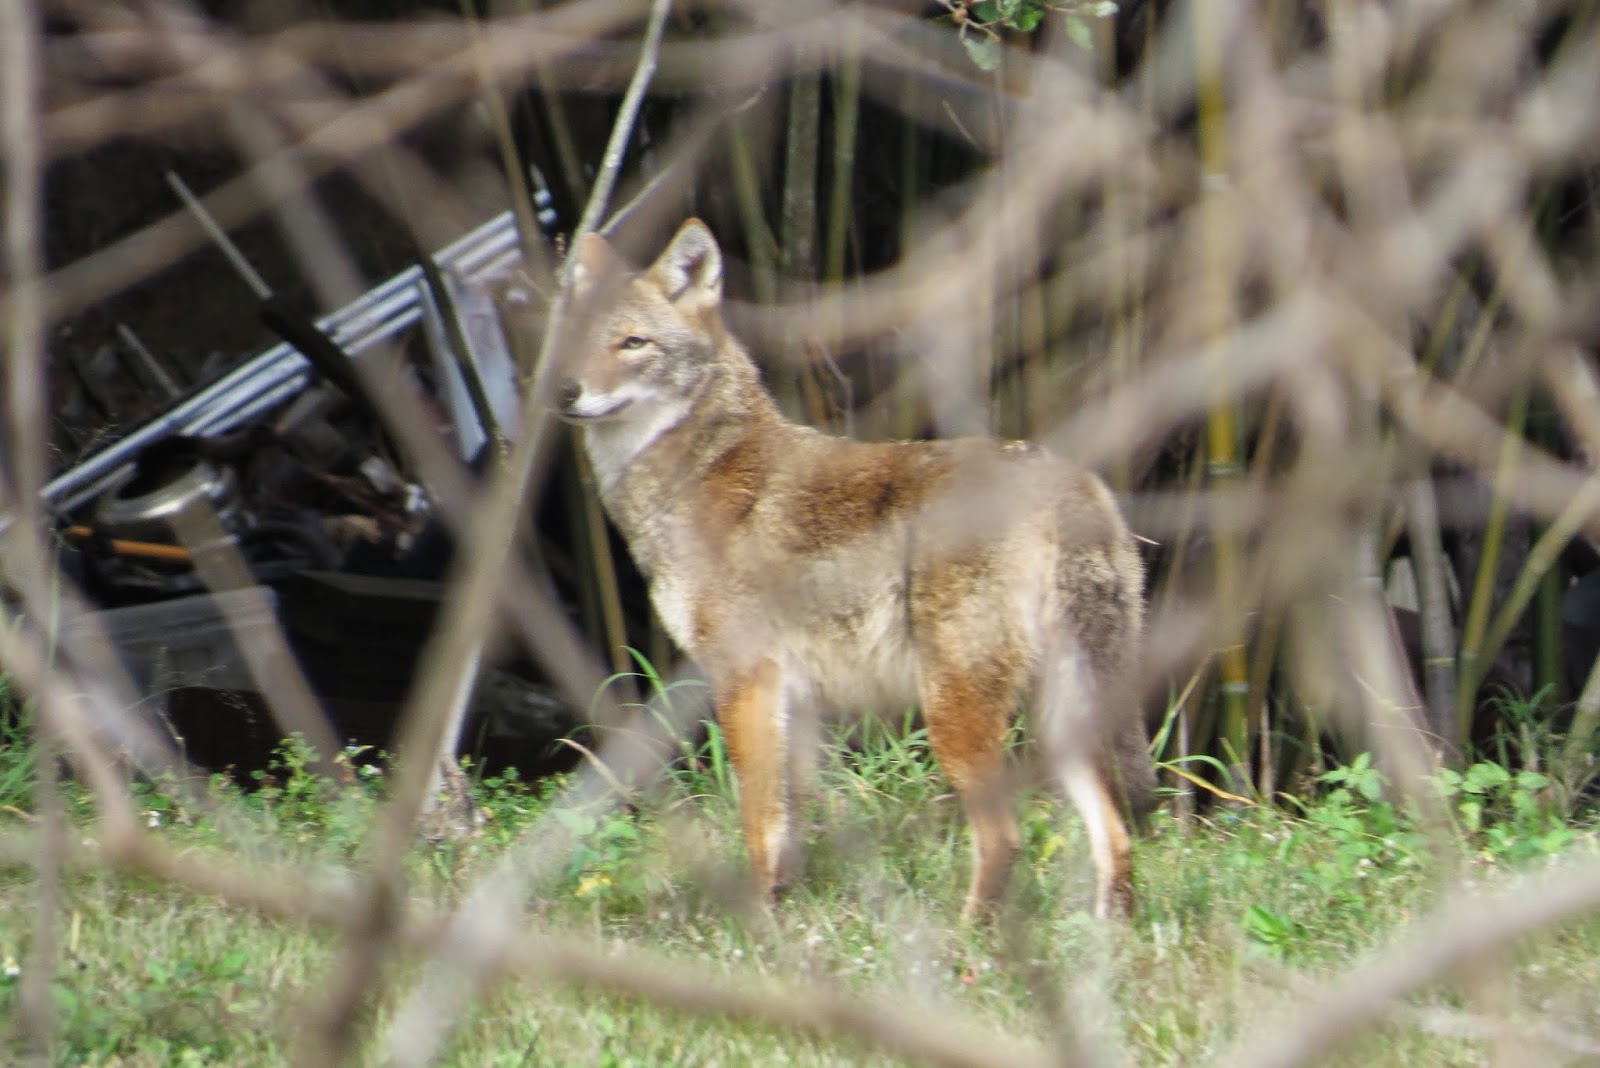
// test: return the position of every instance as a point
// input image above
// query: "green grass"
(1236, 916)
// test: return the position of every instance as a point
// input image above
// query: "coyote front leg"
(751, 712)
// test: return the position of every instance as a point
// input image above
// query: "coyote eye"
(632, 342)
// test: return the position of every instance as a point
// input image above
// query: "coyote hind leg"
(967, 722)
(1070, 721)
(1093, 793)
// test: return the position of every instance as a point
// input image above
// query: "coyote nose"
(567, 394)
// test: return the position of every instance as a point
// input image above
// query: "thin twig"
(451, 664)
(622, 129)
(26, 403)
(36, 1010)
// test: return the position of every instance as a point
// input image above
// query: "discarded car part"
(219, 236)
(312, 490)
(274, 376)
(478, 311)
(299, 532)
(128, 553)
(95, 373)
(123, 580)
(378, 472)
(223, 730)
(165, 647)
(448, 339)
(183, 642)
(512, 722)
(318, 443)
(146, 366)
(142, 510)
(324, 354)
(139, 550)
(358, 636)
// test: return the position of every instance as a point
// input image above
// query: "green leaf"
(574, 823)
(1483, 777)
(1078, 30)
(985, 51)
(1370, 785)
(67, 1000)
(1027, 20)
(1532, 780)
(1556, 839)
(1269, 930)
(986, 11)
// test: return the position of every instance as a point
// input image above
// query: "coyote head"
(649, 340)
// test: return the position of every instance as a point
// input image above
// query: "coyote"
(808, 574)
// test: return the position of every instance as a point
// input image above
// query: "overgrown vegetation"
(1238, 908)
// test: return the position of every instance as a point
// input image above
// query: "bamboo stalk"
(575, 506)
(1266, 780)
(1439, 669)
(907, 412)
(555, 118)
(1184, 808)
(605, 572)
(1222, 461)
(846, 120)
(1475, 651)
(1576, 765)
(1268, 631)
(1205, 733)
(1549, 677)
(1311, 649)
(1259, 701)
(1540, 560)
(760, 245)
(533, 247)
(1128, 319)
(798, 226)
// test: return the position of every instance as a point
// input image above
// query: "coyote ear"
(690, 270)
(594, 259)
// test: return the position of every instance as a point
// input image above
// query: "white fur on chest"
(670, 596)
(615, 444)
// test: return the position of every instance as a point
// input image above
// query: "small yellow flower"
(591, 884)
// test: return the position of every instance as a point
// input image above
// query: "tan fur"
(808, 574)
